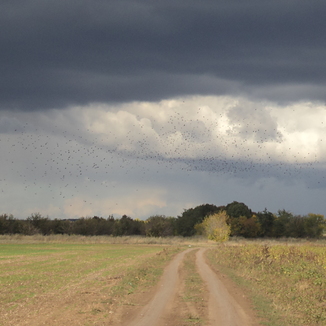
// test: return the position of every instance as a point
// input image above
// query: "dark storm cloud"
(59, 53)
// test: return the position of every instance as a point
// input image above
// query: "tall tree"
(192, 216)
(236, 209)
(266, 220)
(160, 226)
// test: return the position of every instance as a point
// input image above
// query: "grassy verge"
(85, 280)
(143, 273)
(287, 282)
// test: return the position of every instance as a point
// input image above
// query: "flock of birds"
(67, 163)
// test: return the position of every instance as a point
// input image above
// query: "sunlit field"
(75, 280)
(286, 280)
(83, 280)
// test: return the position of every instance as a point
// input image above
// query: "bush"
(214, 227)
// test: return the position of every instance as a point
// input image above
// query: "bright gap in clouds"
(146, 158)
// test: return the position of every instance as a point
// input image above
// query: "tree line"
(239, 218)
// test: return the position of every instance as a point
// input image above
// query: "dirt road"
(226, 307)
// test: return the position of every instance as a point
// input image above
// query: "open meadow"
(74, 281)
(62, 280)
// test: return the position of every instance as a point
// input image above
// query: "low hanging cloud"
(133, 158)
(224, 127)
(192, 128)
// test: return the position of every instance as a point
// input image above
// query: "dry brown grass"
(17, 238)
(287, 279)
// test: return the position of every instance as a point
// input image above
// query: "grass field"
(62, 280)
(287, 281)
(82, 279)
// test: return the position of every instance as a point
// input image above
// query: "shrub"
(215, 227)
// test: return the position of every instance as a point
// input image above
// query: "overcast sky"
(152, 107)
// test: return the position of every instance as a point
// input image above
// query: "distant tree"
(9, 225)
(40, 223)
(105, 226)
(61, 226)
(127, 226)
(249, 227)
(88, 226)
(85, 226)
(281, 224)
(214, 227)
(27, 228)
(100, 225)
(296, 226)
(192, 216)
(245, 227)
(314, 225)
(266, 220)
(160, 226)
(235, 226)
(236, 209)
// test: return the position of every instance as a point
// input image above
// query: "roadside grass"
(143, 273)
(36, 270)
(285, 280)
(194, 292)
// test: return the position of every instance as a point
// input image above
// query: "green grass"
(143, 273)
(91, 276)
(29, 270)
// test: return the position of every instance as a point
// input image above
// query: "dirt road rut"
(223, 308)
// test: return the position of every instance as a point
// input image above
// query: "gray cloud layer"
(139, 107)
(60, 53)
(146, 158)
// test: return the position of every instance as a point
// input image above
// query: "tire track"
(153, 311)
(223, 309)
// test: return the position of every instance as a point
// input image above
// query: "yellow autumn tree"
(215, 227)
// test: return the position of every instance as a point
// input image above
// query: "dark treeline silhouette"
(156, 226)
(243, 222)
